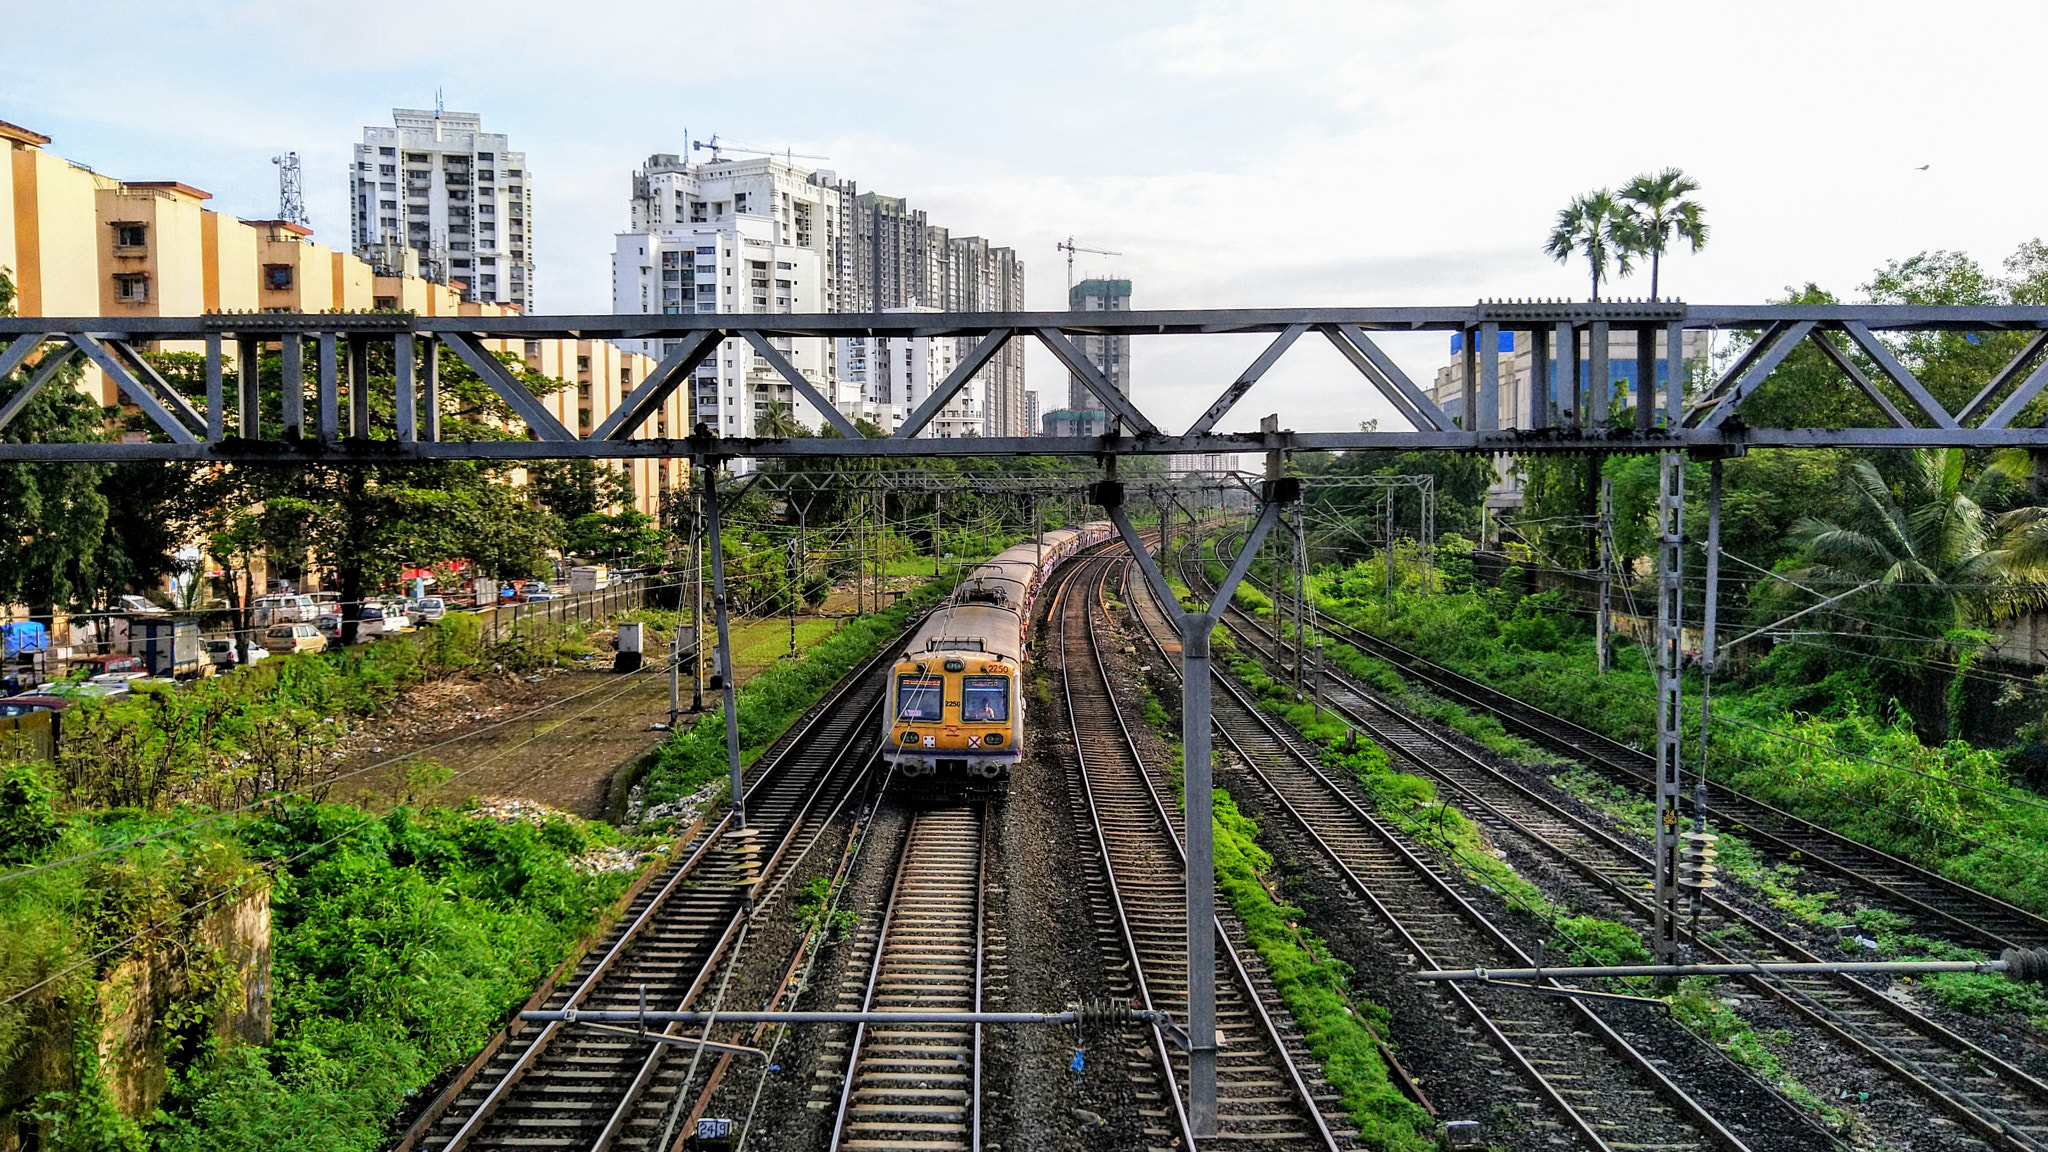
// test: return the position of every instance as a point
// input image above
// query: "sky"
(1283, 153)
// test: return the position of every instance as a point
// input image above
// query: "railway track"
(919, 1085)
(558, 1087)
(1263, 1096)
(1999, 1103)
(1939, 907)
(1563, 1068)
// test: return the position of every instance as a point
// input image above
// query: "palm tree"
(1658, 209)
(1596, 225)
(1928, 565)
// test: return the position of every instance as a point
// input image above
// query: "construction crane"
(291, 194)
(718, 146)
(1069, 247)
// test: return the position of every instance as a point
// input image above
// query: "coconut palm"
(1658, 211)
(1596, 226)
(1935, 559)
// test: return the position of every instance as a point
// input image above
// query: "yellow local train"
(956, 696)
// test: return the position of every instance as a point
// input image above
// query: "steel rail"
(2015, 927)
(1709, 1125)
(651, 1064)
(1056, 617)
(919, 905)
(1941, 1089)
(1282, 1056)
(768, 780)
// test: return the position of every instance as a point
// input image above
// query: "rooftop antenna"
(1069, 247)
(291, 193)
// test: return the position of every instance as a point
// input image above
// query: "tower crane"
(717, 146)
(1069, 247)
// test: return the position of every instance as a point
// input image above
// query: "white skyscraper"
(743, 235)
(437, 183)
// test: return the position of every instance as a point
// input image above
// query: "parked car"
(329, 624)
(284, 608)
(432, 608)
(376, 621)
(538, 595)
(113, 662)
(222, 652)
(35, 702)
(285, 639)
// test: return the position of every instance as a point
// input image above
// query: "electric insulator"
(1696, 861)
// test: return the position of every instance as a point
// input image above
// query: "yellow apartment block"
(77, 243)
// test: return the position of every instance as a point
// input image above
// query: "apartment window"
(697, 211)
(583, 365)
(387, 151)
(486, 174)
(784, 265)
(513, 172)
(132, 288)
(713, 251)
(387, 169)
(739, 202)
(415, 157)
(277, 277)
(487, 209)
(128, 234)
(392, 205)
(462, 263)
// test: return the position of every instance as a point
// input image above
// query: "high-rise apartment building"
(1111, 354)
(896, 258)
(1030, 413)
(740, 235)
(762, 235)
(438, 184)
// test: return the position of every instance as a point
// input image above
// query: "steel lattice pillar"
(1670, 724)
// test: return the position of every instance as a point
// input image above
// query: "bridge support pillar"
(1197, 780)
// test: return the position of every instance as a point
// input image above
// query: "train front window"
(985, 699)
(919, 698)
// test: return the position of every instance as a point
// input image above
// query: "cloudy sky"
(1236, 154)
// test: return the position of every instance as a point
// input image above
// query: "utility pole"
(1390, 544)
(1300, 593)
(726, 671)
(697, 593)
(1603, 620)
(1708, 638)
(938, 528)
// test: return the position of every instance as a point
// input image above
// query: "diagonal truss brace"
(23, 347)
(654, 391)
(142, 395)
(804, 388)
(1900, 375)
(1413, 403)
(2027, 391)
(1862, 381)
(1114, 402)
(954, 381)
(172, 398)
(516, 395)
(1245, 380)
(45, 372)
(1749, 373)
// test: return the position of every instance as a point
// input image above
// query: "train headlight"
(993, 740)
(910, 737)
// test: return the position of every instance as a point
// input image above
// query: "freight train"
(956, 694)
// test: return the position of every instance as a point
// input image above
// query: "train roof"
(969, 628)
